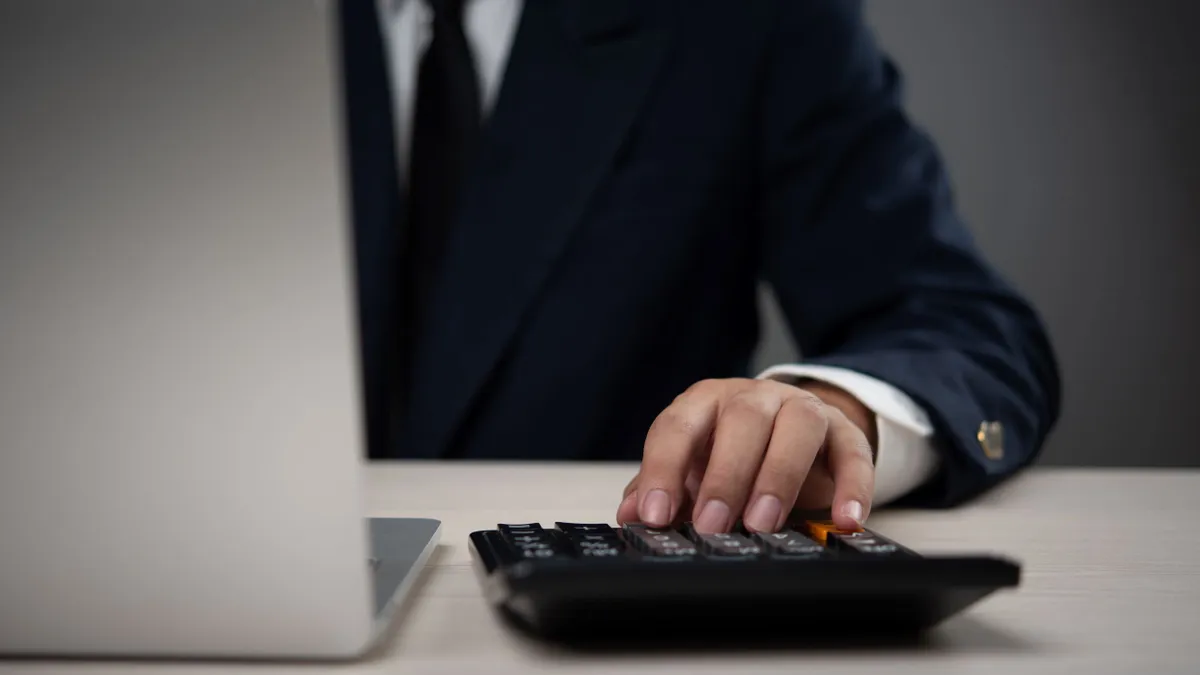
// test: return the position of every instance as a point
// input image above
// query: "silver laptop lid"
(179, 419)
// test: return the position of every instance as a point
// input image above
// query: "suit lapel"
(577, 74)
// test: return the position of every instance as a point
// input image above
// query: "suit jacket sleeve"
(873, 268)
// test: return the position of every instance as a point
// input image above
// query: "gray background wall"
(1072, 130)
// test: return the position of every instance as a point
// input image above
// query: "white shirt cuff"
(905, 458)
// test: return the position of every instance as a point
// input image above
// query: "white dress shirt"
(905, 454)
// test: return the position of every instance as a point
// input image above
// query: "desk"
(1111, 582)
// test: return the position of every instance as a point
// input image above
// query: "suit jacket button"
(991, 439)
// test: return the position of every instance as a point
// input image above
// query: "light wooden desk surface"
(1111, 581)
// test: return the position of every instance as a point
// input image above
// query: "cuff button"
(991, 439)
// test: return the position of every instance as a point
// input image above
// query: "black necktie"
(446, 124)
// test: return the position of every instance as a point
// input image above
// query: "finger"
(675, 437)
(631, 485)
(695, 474)
(849, 458)
(691, 484)
(627, 511)
(817, 491)
(796, 440)
(742, 433)
(691, 488)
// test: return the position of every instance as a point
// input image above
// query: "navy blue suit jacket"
(646, 165)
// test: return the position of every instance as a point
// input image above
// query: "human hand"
(754, 449)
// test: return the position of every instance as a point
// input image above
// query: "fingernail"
(714, 517)
(764, 515)
(853, 511)
(656, 508)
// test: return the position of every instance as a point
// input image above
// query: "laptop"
(181, 433)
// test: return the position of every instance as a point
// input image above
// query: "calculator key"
(537, 549)
(612, 536)
(582, 529)
(595, 542)
(600, 553)
(546, 548)
(599, 540)
(866, 543)
(819, 530)
(597, 545)
(789, 543)
(726, 545)
(609, 548)
(526, 529)
(662, 543)
(533, 546)
(531, 541)
(528, 537)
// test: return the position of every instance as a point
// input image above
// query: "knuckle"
(810, 409)
(701, 391)
(673, 420)
(704, 385)
(863, 450)
(751, 402)
(810, 401)
(856, 455)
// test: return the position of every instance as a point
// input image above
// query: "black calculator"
(595, 579)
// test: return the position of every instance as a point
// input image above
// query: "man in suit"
(564, 209)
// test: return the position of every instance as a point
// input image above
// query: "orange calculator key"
(819, 530)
